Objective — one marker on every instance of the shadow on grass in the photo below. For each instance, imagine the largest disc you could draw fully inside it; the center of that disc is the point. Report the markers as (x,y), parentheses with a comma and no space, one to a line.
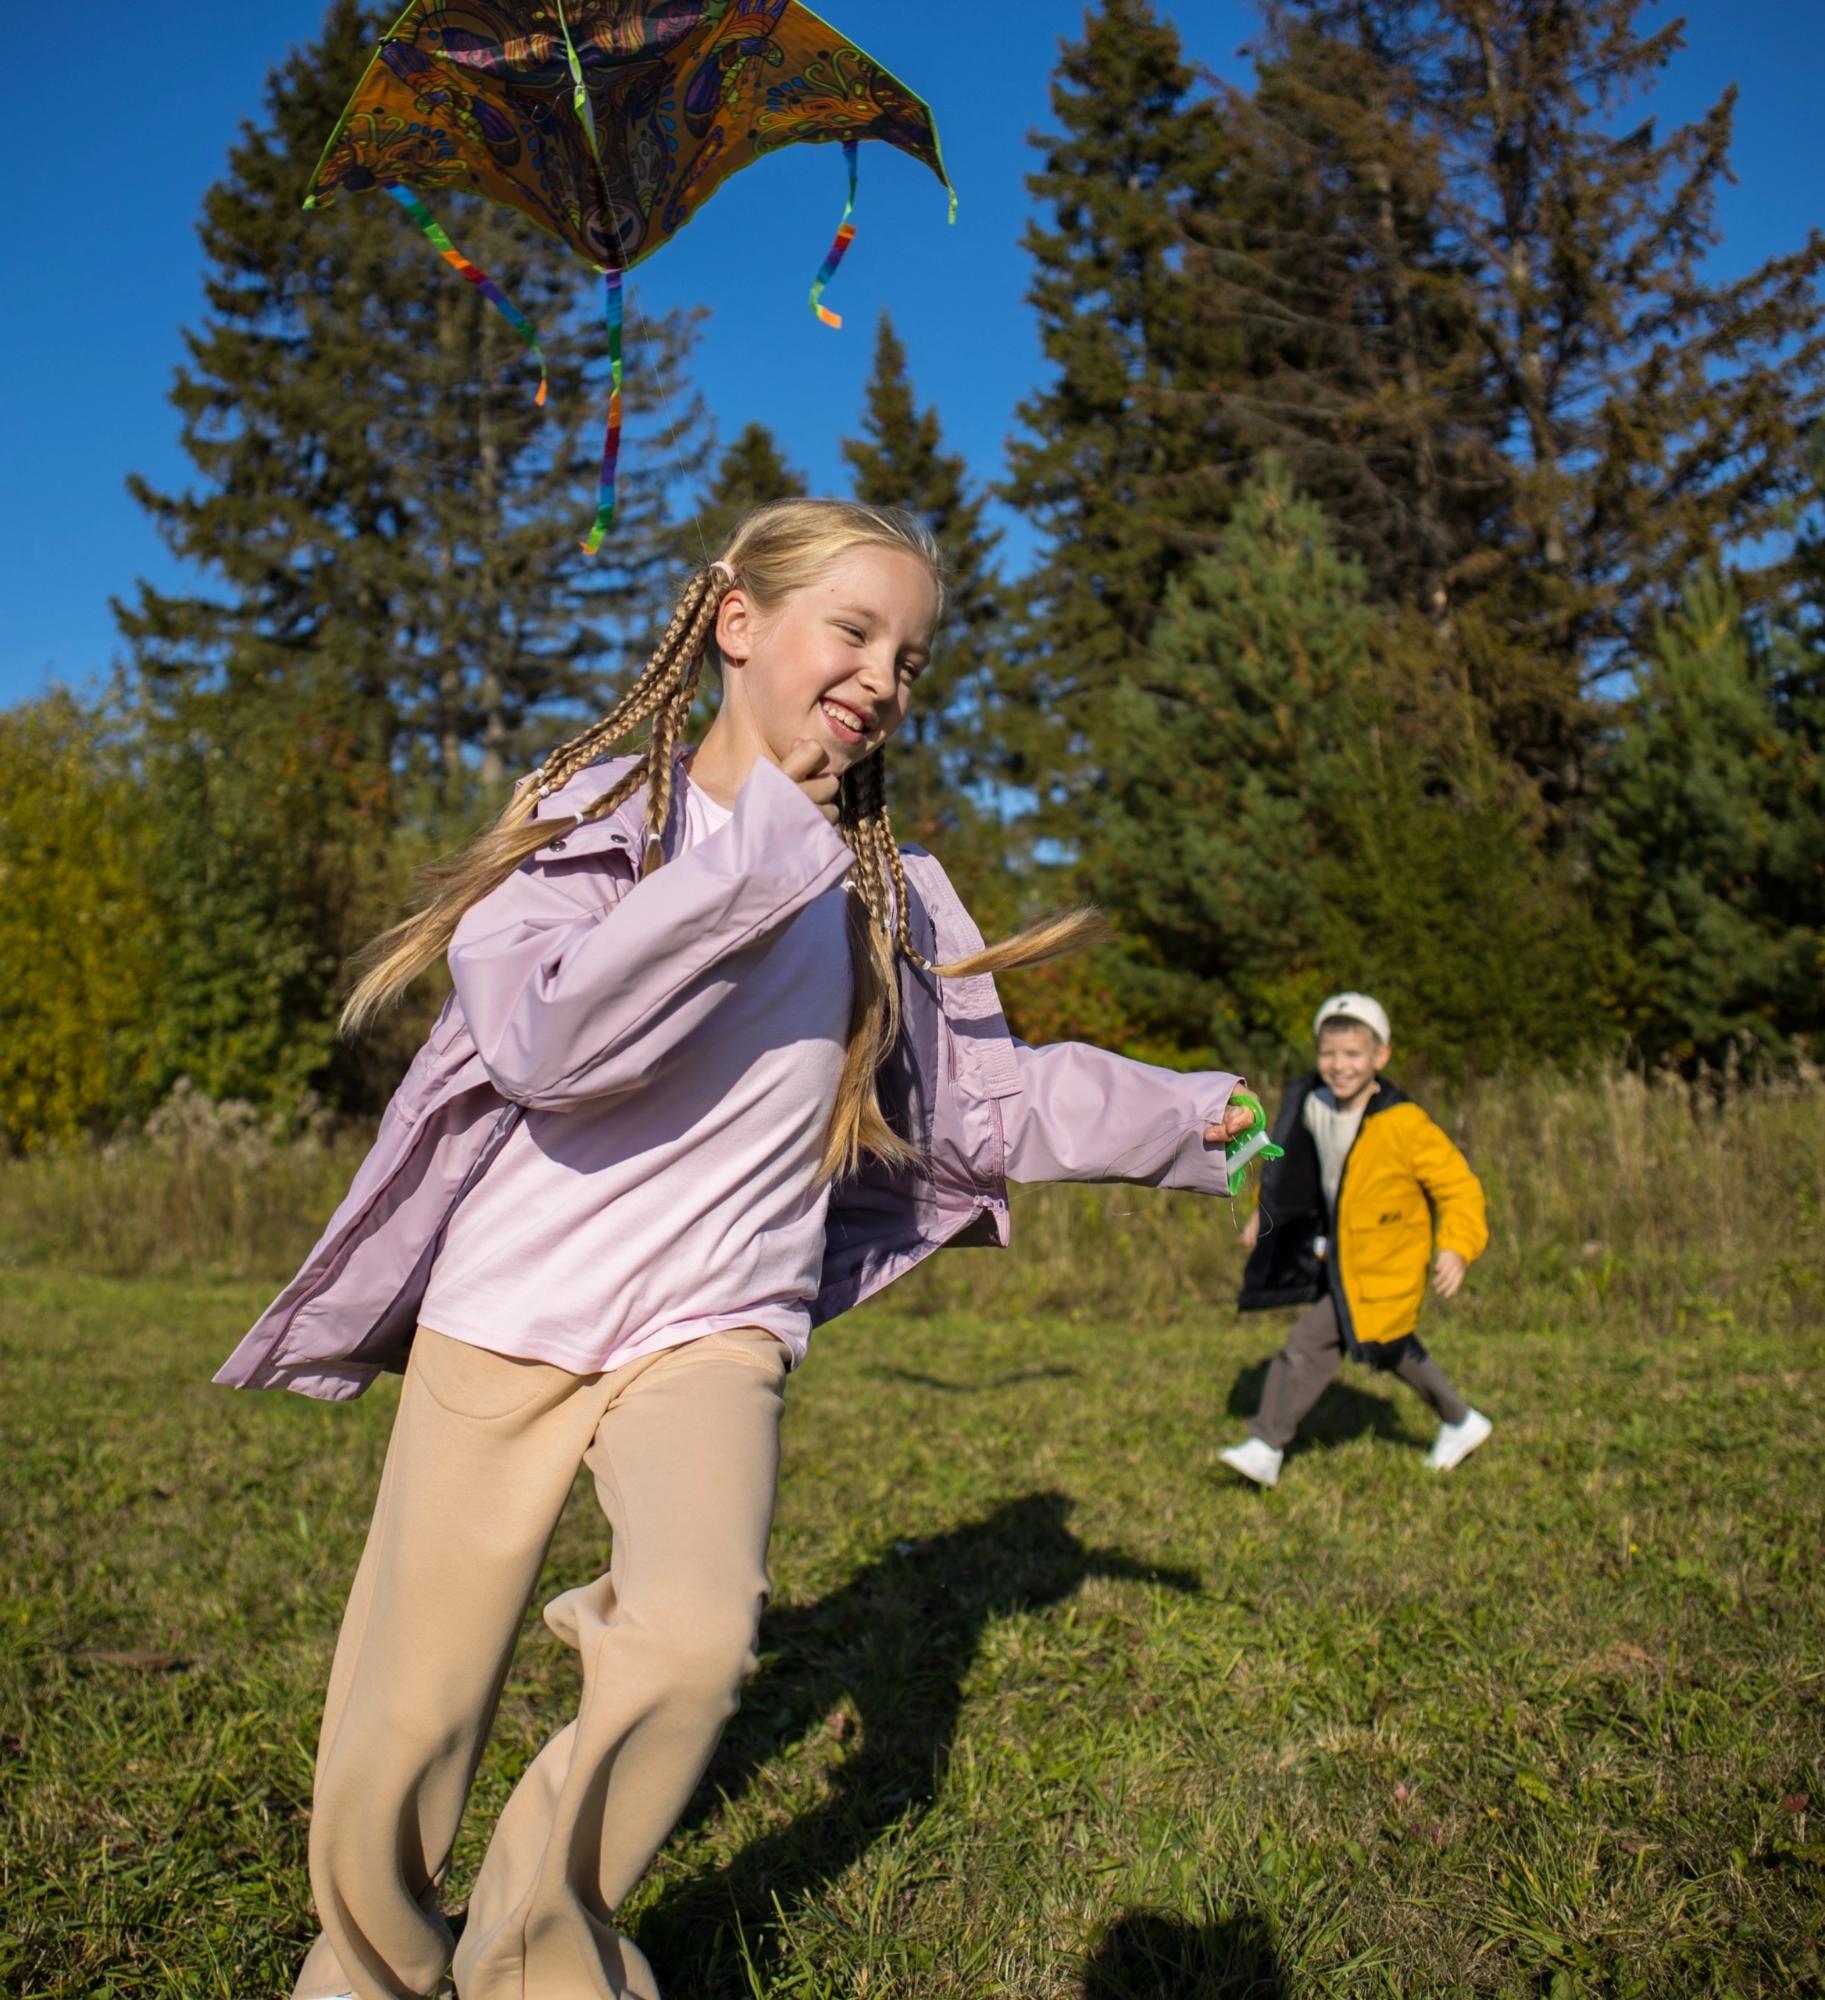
(1343,1412)
(1155,1955)
(1053,1373)
(894,1646)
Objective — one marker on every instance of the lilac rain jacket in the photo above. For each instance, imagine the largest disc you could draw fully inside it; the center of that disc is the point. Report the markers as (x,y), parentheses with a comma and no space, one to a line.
(575,980)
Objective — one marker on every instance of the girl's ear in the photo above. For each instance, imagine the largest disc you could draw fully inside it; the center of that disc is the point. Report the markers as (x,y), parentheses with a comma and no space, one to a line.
(735,628)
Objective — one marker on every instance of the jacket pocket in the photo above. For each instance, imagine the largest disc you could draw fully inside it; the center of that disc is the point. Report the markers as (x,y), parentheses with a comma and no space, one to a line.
(1383,1263)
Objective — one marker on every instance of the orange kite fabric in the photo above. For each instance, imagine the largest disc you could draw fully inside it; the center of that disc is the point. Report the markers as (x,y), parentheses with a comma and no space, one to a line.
(608,122)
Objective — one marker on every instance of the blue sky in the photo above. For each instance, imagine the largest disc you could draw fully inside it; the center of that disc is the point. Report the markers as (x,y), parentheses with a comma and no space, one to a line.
(106,271)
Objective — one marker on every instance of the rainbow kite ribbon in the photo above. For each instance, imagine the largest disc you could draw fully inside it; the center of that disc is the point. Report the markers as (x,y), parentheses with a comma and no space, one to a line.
(611,279)
(845,236)
(476,276)
(611,442)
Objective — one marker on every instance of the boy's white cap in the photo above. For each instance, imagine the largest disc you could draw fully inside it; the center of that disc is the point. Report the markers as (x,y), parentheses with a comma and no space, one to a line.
(1354,1007)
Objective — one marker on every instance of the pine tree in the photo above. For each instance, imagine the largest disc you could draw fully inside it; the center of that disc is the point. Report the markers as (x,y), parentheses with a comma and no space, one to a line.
(396,609)
(750,473)
(1651,416)
(1099,471)
(1341,329)
(383,509)
(899,461)
(1224,760)
(1708,843)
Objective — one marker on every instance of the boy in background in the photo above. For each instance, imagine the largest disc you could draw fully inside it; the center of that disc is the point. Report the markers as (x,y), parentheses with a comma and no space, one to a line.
(1352,1211)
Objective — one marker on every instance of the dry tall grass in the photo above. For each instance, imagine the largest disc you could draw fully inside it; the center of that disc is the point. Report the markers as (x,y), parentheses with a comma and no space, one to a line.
(1643,1183)
(205,1190)
(1654,1182)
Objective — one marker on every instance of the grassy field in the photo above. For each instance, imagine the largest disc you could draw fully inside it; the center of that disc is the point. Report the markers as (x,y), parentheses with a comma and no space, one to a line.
(1048,1707)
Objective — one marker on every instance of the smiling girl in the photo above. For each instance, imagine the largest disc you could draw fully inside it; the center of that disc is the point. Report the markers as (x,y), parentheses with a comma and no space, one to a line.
(721,1060)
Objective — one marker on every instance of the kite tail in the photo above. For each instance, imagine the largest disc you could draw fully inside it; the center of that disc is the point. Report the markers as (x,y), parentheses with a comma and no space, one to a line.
(611,442)
(476,276)
(845,236)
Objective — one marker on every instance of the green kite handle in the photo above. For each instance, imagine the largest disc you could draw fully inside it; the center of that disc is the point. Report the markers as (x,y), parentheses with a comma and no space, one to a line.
(1252,1145)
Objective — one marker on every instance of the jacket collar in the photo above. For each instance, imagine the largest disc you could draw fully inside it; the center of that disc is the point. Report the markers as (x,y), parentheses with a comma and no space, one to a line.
(1386,1094)
(625,827)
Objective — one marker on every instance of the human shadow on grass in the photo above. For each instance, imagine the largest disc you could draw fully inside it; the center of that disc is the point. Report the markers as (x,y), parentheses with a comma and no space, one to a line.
(895,1646)
(1343,1412)
(1156,1955)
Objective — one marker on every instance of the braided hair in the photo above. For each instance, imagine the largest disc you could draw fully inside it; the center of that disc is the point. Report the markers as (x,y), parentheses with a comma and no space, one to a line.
(777,548)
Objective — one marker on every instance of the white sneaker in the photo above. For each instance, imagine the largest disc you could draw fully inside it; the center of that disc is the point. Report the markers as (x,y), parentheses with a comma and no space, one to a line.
(1455,1442)
(1255,1459)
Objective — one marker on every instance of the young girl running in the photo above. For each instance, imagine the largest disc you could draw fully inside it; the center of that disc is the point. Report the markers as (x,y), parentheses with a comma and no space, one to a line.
(720,1061)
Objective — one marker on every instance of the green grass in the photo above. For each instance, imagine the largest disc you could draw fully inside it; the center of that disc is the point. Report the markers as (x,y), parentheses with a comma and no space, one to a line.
(1048,1707)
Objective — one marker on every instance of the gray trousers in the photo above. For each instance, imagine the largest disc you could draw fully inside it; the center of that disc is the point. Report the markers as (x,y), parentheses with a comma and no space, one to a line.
(1297,1375)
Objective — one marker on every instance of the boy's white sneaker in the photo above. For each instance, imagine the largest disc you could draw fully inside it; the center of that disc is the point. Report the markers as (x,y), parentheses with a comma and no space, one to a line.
(1255,1459)
(1455,1442)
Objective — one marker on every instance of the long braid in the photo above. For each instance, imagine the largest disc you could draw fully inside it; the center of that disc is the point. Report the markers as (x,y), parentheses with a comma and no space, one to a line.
(657,682)
(663,689)
(674,712)
(858,1127)
(889,849)
(880,874)
(853,801)
(880,934)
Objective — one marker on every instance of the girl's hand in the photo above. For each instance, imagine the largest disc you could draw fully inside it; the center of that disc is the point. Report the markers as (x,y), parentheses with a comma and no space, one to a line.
(806,764)
(1251,1230)
(1234,1122)
(1448,1270)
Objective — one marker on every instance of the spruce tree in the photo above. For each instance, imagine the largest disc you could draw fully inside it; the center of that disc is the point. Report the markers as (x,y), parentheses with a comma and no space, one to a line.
(1223,762)
(937,760)
(1099,471)
(751,472)
(1294,808)
(1708,842)
(396,610)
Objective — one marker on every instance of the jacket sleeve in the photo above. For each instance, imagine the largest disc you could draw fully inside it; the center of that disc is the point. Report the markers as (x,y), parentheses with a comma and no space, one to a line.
(568,1002)
(1454,1191)
(1083,1114)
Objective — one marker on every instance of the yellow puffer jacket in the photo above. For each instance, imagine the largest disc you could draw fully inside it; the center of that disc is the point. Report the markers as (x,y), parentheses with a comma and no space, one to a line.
(1406,1189)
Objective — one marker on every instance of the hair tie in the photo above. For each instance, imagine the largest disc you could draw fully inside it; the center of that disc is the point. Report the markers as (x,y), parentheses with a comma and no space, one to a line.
(724,569)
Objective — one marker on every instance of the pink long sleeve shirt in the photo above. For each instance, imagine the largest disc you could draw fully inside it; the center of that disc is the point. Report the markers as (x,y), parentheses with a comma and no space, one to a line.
(625,1225)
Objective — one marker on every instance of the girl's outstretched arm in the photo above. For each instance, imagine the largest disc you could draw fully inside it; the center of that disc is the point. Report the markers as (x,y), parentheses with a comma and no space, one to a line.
(1083,1114)
(571,999)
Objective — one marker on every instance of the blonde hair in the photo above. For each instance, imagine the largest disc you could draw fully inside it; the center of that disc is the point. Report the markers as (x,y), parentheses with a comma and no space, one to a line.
(778,549)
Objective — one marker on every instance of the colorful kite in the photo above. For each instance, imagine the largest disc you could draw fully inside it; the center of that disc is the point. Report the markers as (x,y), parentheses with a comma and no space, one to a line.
(609,123)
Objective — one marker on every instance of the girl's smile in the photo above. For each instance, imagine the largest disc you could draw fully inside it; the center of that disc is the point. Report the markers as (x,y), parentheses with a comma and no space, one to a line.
(846,725)
(833,664)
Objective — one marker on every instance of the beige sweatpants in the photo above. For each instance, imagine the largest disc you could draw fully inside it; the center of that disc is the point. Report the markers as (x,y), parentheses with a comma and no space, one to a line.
(684,1447)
